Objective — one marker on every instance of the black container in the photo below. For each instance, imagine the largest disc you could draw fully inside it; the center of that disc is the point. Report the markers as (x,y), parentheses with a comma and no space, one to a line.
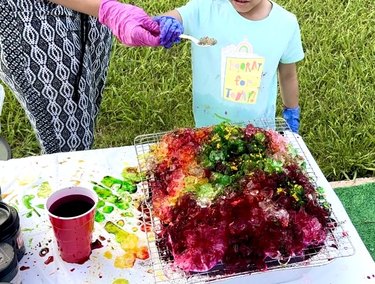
(8,265)
(10,231)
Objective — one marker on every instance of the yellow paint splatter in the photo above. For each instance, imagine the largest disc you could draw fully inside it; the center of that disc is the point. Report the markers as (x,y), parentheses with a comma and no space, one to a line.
(125,261)
(120,223)
(129,243)
(76,182)
(151,236)
(159,274)
(127,240)
(120,281)
(44,190)
(4,195)
(26,179)
(108,254)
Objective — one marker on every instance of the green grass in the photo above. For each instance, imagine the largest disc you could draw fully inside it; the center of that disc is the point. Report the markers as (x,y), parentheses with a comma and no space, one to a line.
(149,89)
(359,203)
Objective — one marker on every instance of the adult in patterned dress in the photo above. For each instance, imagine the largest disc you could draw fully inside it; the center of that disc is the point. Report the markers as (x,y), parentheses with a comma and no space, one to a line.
(54,56)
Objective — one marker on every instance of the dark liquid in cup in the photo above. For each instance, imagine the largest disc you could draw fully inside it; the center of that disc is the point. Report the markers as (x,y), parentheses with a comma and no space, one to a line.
(71,205)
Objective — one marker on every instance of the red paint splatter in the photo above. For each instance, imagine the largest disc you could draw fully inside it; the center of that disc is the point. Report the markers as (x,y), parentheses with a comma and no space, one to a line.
(101,238)
(49,260)
(145,228)
(71,270)
(142,253)
(22,268)
(96,244)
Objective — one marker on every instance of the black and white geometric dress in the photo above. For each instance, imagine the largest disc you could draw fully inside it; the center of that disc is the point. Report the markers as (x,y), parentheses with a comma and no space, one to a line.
(55,61)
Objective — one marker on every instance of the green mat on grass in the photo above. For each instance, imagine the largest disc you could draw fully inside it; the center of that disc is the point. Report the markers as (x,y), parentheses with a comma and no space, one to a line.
(359,203)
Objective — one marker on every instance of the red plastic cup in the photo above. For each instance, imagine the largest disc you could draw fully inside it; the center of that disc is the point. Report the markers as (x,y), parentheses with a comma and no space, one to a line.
(71,211)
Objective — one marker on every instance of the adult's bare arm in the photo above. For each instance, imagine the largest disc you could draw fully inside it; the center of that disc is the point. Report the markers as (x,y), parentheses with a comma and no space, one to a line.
(89,7)
(129,23)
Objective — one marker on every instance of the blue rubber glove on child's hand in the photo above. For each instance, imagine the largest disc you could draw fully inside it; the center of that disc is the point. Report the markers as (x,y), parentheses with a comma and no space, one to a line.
(291,115)
(170,30)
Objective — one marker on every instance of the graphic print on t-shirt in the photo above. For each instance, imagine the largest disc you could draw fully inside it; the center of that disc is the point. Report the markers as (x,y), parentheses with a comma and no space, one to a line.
(241,73)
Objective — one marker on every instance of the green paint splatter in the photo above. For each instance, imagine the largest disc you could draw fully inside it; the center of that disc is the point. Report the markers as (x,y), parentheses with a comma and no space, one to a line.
(99,217)
(111,228)
(132,174)
(116,193)
(26,230)
(26,199)
(127,214)
(108,209)
(122,237)
(44,190)
(101,191)
(121,204)
(119,185)
(100,204)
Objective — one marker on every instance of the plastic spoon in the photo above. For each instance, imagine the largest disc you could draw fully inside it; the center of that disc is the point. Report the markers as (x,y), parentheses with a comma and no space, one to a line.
(198,42)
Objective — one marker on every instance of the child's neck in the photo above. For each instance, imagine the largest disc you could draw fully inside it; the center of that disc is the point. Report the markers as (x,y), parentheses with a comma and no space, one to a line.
(259,12)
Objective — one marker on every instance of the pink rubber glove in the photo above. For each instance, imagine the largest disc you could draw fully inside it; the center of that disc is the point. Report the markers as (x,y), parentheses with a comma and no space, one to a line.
(130,24)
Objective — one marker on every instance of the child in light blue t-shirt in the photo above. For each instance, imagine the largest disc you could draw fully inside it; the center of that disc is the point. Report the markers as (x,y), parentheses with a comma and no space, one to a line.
(258,45)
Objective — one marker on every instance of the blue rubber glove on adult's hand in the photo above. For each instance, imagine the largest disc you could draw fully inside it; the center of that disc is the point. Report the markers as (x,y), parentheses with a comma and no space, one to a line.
(170,30)
(291,115)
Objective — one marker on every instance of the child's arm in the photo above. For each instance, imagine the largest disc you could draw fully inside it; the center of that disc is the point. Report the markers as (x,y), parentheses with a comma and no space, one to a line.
(175,14)
(289,84)
(288,81)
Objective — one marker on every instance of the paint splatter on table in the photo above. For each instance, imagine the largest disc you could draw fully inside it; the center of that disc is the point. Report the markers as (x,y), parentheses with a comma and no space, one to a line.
(120,253)
(36,177)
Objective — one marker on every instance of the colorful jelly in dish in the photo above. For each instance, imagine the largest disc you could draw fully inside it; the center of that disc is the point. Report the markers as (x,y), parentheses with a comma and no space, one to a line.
(235,197)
